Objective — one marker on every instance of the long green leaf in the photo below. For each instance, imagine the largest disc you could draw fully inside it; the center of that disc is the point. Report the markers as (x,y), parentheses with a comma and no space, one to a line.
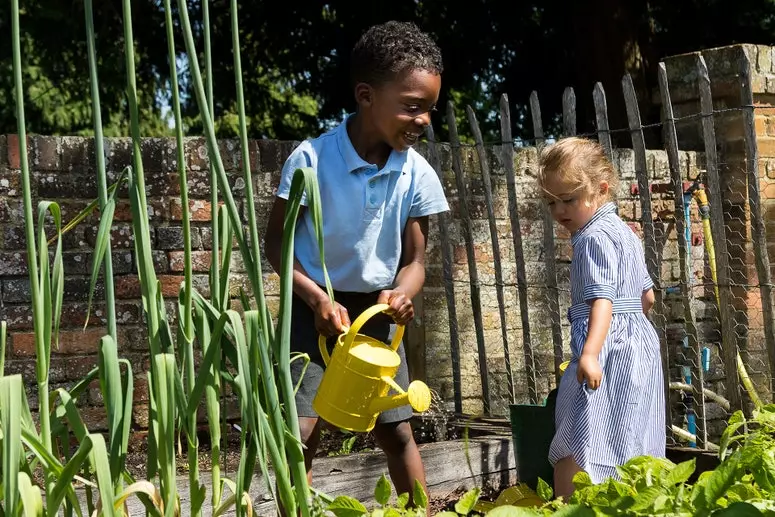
(113,397)
(52,277)
(164,389)
(10,415)
(101,248)
(3,342)
(98,456)
(42,347)
(102,178)
(226,240)
(65,477)
(266,320)
(32,500)
(304,180)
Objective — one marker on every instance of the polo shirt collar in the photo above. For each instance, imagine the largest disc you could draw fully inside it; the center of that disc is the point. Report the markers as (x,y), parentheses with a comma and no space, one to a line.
(352,159)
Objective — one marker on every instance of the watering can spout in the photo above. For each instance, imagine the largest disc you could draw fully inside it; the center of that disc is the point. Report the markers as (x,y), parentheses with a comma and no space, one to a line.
(417,395)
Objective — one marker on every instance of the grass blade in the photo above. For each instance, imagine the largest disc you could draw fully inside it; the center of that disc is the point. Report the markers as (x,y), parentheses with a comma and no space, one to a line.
(186,314)
(303,180)
(64,482)
(226,239)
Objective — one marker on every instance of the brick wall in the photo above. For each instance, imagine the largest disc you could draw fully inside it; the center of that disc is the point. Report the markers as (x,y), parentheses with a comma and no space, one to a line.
(438,358)
(63,171)
(723,69)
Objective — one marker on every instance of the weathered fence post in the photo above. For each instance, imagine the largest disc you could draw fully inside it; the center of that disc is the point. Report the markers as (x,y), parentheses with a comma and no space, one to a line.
(728,336)
(449,287)
(465,216)
(549,250)
(507,148)
(647,221)
(690,326)
(496,248)
(757,218)
(601,116)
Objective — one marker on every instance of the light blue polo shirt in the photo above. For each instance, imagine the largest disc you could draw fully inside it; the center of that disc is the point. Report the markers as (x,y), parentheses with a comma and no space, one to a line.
(364,210)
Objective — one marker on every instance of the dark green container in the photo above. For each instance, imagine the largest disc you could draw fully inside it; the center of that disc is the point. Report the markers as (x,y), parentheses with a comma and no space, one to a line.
(532,429)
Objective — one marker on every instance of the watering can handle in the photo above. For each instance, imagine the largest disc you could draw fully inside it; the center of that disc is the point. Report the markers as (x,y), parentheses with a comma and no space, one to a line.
(323,347)
(355,327)
(363,318)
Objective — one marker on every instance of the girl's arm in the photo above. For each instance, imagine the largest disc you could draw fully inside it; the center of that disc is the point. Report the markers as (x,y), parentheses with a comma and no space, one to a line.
(600,314)
(647,301)
(589,371)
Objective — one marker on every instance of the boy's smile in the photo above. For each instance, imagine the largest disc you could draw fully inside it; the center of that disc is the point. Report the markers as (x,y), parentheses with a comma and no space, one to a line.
(396,113)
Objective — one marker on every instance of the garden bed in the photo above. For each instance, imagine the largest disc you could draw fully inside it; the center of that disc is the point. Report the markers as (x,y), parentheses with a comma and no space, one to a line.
(452,467)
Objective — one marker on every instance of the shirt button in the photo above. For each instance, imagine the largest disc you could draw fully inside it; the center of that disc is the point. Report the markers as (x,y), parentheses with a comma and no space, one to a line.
(372,183)
(373,199)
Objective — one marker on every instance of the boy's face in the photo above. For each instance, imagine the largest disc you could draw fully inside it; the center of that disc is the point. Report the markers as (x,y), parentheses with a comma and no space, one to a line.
(400,109)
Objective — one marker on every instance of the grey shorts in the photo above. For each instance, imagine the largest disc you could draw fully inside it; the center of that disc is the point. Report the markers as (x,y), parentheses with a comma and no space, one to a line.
(304,338)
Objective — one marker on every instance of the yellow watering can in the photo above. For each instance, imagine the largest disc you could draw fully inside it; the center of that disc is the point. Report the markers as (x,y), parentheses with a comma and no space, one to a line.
(359,373)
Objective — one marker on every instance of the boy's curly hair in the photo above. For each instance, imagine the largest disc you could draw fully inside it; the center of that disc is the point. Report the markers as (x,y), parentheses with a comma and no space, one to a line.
(386,50)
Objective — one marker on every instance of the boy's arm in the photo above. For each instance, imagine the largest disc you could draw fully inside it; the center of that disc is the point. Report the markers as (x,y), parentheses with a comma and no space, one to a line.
(411,276)
(328,319)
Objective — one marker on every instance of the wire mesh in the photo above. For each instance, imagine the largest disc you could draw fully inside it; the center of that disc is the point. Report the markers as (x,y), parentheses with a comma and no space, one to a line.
(696,410)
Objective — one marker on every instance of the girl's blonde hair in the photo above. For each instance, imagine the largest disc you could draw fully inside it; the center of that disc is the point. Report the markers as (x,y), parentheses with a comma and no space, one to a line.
(579,162)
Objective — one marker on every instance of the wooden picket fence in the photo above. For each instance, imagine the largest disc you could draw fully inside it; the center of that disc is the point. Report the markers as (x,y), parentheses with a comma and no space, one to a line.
(671,146)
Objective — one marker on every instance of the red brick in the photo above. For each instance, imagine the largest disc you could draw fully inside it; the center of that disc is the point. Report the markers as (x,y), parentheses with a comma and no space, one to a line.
(23,344)
(127,286)
(760,124)
(140,415)
(140,388)
(123,212)
(200,261)
(766,146)
(199,210)
(80,341)
(170,285)
(12,142)
(70,342)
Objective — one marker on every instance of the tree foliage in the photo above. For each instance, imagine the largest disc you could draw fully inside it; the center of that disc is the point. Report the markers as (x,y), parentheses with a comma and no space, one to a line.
(296,55)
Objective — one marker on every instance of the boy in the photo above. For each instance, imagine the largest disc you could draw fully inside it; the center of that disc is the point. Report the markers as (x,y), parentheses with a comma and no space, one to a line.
(376,194)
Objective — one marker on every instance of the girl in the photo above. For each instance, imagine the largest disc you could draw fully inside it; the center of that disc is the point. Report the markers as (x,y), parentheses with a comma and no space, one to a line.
(610,403)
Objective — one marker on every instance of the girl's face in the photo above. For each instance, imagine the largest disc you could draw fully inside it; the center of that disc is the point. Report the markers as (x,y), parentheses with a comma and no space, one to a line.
(571,204)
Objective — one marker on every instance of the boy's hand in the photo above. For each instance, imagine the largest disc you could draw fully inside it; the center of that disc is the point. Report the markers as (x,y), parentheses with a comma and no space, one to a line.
(330,319)
(589,370)
(401,306)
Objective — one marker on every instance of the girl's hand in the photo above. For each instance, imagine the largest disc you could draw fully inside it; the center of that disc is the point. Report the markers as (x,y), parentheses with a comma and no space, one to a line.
(589,371)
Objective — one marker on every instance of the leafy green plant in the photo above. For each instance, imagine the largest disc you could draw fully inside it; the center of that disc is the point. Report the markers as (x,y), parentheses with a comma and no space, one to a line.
(345,506)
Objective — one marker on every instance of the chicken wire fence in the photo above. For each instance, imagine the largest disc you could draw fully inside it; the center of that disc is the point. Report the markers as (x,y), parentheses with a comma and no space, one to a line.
(497,292)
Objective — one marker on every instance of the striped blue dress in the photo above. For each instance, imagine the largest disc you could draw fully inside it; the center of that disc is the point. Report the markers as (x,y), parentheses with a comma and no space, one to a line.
(625,417)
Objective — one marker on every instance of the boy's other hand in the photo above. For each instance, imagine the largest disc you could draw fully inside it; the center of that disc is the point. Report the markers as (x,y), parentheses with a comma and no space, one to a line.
(401,306)
(330,320)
